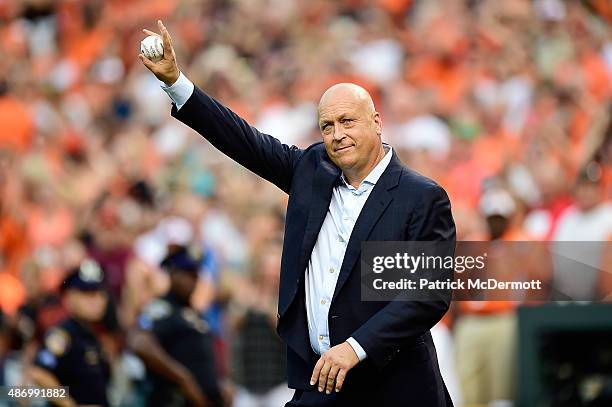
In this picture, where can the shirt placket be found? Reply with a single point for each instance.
(349, 215)
(340, 244)
(329, 283)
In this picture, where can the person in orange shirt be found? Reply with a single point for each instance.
(16, 122)
(485, 366)
(13, 242)
(12, 293)
(14, 245)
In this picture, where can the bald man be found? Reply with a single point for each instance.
(350, 188)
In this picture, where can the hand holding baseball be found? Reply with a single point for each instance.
(164, 68)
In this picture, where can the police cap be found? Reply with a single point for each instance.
(88, 276)
(182, 258)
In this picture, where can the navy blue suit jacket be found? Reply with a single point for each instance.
(401, 364)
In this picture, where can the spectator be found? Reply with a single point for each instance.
(259, 354)
(581, 238)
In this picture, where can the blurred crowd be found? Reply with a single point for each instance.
(506, 104)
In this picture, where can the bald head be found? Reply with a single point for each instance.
(351, 130)
(347, 92)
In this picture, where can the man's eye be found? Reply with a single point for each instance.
(346, 121)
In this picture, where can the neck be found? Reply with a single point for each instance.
(355, 178)
(186, 302)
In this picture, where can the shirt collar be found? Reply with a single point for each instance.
(376, 173)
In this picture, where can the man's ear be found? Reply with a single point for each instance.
(377, 122)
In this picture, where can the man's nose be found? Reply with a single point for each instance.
(338, 132)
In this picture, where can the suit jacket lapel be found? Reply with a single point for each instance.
(323, 184)
(375, 205)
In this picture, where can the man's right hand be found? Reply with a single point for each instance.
(166, 69)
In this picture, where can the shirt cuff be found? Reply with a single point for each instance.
(180, 91)
(361, 354)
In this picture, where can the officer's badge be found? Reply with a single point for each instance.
(194, 320)
(195, 251)
(91, 357)
(90, 271)
(57, 341)
(158, 309)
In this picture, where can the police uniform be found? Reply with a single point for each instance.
(71, 352)
(185, 337)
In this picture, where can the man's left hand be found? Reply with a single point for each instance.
(333, 366)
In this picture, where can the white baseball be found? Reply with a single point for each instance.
(152, 47)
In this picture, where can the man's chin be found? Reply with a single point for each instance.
(344, 163)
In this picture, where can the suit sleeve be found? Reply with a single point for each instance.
(401, 321)
(261, 153)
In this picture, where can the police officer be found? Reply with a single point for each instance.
(175, 343)
(71, 354)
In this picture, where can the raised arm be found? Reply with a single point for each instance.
(261, 153)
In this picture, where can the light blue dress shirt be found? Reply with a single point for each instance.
(330, 247)
(328, 254)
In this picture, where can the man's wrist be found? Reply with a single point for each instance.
(168, 83)
(359, 351)
(171, 81)
(180, 91)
